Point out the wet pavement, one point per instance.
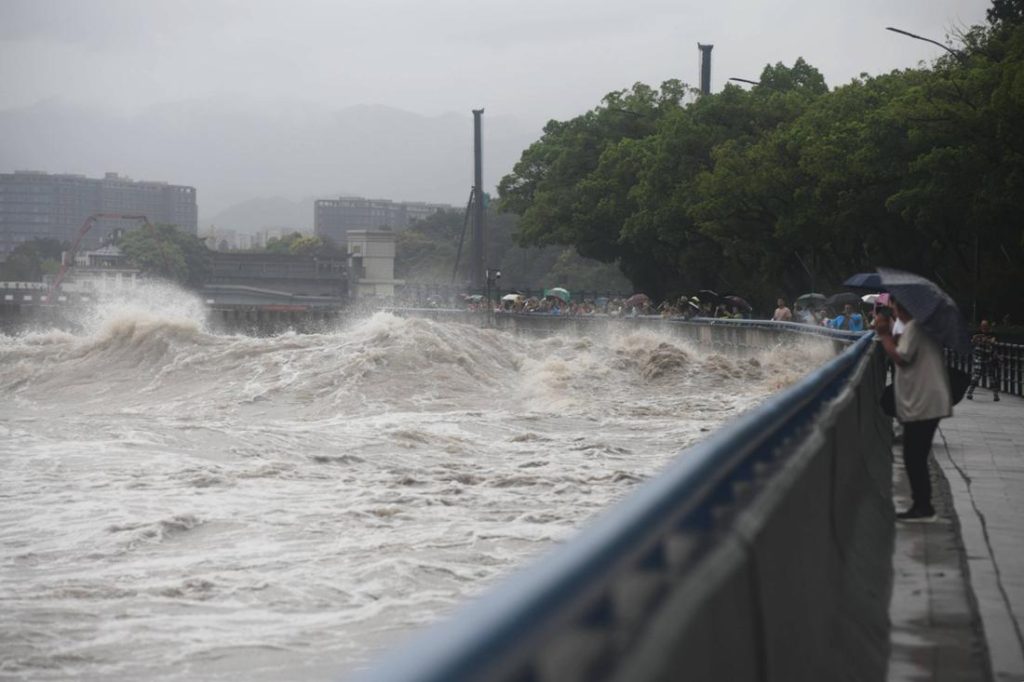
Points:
(958, 594)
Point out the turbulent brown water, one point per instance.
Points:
(177, 504)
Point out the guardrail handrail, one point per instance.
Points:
(496, 628)
(23, 285)
(799, 327)
(1008, 371)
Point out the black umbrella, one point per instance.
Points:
(931, 307)
(839, 300)
(811, 301)
(871, 281)
(708, 296)
(738, 302)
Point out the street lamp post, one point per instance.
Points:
(961, 57)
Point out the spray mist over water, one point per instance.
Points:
(185, 505)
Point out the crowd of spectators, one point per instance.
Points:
(617, 306)
(850, 317)
(681, 308)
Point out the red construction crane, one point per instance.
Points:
(86, 226)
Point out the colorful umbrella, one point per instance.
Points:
(558, 292)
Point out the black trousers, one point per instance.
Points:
(917, 444)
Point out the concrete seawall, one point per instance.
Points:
(762, 553)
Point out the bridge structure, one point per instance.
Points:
(23, 303)
(769, 551)
(258, 310)
(230, 307)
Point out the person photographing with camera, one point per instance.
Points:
(922, 397)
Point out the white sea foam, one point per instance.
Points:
(184, 505)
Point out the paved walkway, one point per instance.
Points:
(958, 596)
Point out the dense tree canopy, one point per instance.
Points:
(30, 260)
(167, 252)
(427, 251)
(298, 244)
(789, 186)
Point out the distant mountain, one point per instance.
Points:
(263, 214)
(233, 150)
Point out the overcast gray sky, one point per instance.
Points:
(256, 98)
(532, 59)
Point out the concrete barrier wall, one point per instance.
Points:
(724, 333)
(762, 553)
(796, 583)
(744, 334)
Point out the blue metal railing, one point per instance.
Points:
(1008, 374)
(496, 636)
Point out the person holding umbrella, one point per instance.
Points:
(922, 392)
(922, 398)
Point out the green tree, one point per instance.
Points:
(426, 251)
(788, 184)
(624, 188)
(801, 77)
(809, 192)
(30, 260)
(963, 193)
(165, 251)
(305, 245)
(545, 188)
(283, 244)
(1004, 12)
(749, 190)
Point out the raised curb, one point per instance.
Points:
(981, 452)
(935, 630)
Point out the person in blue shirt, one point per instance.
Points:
(849, 320)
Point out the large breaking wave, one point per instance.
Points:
(184, 504)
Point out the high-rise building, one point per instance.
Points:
(39, 205)
(333, 218)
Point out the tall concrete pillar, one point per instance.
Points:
(705, 68)
(479, 240)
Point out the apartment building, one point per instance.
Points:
(334, 218)
(39, 205)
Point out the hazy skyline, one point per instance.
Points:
(531, 59)
(81, 68)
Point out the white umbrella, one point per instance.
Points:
(869, 298)
(512, 297)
